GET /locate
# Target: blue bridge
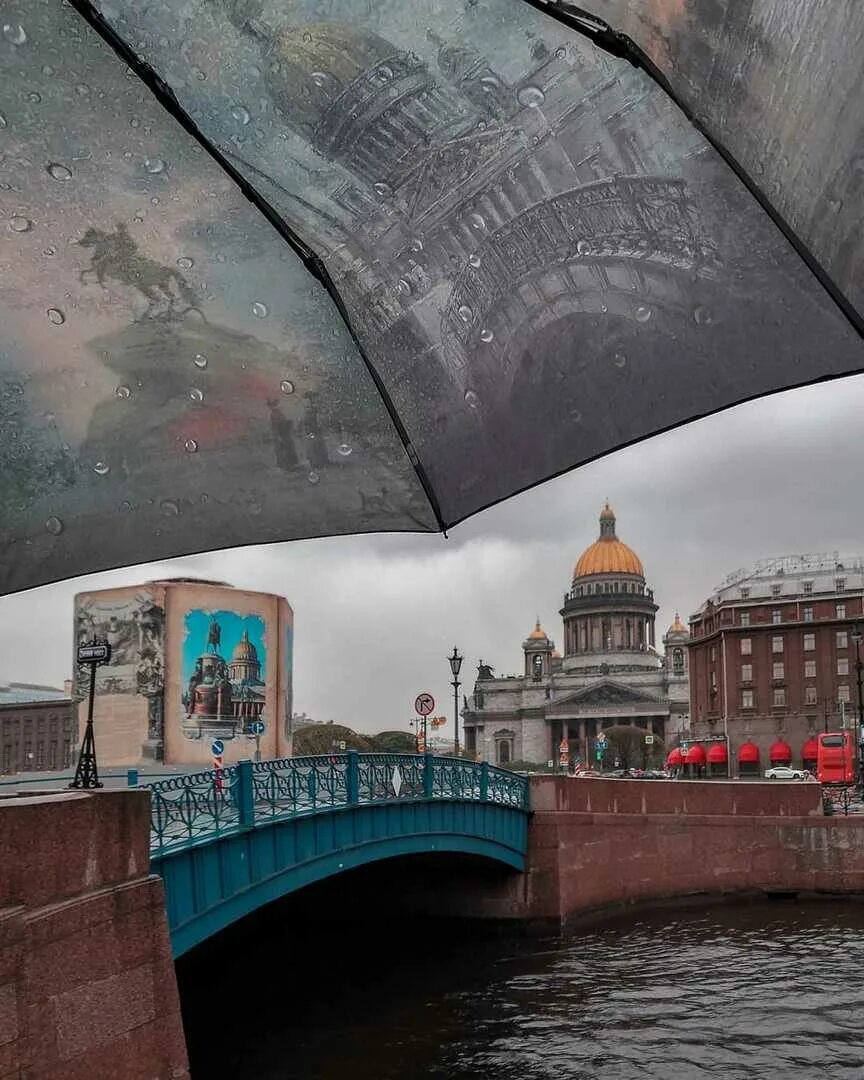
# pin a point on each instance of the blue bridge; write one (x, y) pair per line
(228, 842)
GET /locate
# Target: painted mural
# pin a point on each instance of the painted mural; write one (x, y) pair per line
(224, 674)
(134, 626)
(289, 674)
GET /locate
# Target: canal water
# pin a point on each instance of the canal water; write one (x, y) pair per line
(730, 992)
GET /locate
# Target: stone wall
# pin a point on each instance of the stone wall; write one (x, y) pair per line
(87, 986)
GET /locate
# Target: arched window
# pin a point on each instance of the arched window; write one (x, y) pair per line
(503, 747)
(678, 661)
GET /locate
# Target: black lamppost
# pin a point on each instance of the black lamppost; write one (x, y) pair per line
(856, 637)
(455, 665)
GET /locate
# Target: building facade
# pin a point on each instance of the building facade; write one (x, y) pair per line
(773, 659)
(37, 729)
(611, 672)
(192, 662)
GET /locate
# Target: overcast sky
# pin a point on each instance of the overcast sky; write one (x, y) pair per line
(376, 616)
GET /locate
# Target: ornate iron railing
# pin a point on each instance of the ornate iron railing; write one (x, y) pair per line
(194, 808)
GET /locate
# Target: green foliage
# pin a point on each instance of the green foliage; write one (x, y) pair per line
(393, 742)
(529, 766)
(325, 739)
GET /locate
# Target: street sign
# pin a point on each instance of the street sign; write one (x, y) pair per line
(217, 748)
(649, 740)
(257, 727)
(95, 653)
(341, 744)
(424, 704)
(601, 741)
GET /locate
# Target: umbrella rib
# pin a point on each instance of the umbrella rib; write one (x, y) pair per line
(620, 45)
(311, 260)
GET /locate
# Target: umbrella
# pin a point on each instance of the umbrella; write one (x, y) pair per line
(281, 270)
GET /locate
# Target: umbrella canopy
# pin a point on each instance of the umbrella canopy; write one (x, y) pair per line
(267, 275)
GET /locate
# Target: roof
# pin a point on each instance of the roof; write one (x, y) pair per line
(608, 554)
(25, 693)
(538, 633)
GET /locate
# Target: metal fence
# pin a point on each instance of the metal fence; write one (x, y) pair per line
(199, 806)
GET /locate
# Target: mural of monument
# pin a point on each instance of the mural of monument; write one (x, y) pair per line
(224, 665)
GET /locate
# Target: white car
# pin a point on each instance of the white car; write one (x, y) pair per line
(785, 772)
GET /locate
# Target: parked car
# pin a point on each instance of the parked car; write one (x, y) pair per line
(785, 772)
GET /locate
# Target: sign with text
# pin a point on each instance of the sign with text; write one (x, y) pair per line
(96, 652)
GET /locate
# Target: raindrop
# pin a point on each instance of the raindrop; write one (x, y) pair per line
(54, 526)
(134, 122)
(123, 392)
(190, 446)
(583, 248)
(14, 33)
(477, 221)
(3, 121)
(465, 313)
(241, 114)
(481, 125)
(307, 37)
(195, 394)
(471, 399)
(200, 360)
(59, 172)
(344, 449)
(220, 258)
(313, 477)
(383, 189)
(486, 335)
(702, 315)
(319, 78)
(560, 52)
(604, 308)
(155, 200)
(34, 97)
(20, 224)
(125, 506)
(404, 286)
(169, 508)
(200, 75)
(185, 263)
(56, 316)
(642, 313)
(416, 244)
(259, 310)
(532, 97)
(286, 386)
(154, 165)
(82, 89)
(474, 259)
(101, 468)
(490, 84)
(619, 359)
(49, 251)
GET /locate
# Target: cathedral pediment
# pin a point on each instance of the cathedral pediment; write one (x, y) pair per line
(609, 693)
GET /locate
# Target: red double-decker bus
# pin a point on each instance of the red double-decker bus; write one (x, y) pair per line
(836, 761)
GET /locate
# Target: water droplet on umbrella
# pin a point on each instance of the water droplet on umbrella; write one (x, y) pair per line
(405, 286)
(560, 52)
(185, 263)
(14, 33)
(583, 247)
(474, 259)
(195, 394)
(416, 244)
(477, 221)
(319, 78)
(286, 386)
(702, 315)
(59, 172)
(307, 37)
(3, 121)
(48, 252)
(642, 313)
(220, 258)
(34, 97)
(101, 468)
(383, 189)
(200, 75)
(125, 506)
(619, 359)
(200, 360)
(260, 310)
(490, 84)
(190, 446)
(344, 449)
(471, 399)
(486, 335)
(123, 392)
(20, 224)
(313, 477)
(54, 526)
(169, 508)
(465, 313)
(241, 114)
(385, 71)
(83, 89)
(154, 165)
(530, 96)
(56, 316)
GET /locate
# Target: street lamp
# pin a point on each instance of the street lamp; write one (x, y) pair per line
(856, 638)
(455, 665)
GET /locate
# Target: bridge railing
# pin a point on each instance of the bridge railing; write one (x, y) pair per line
(200, 806)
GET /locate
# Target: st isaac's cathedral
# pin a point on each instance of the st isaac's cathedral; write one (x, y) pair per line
(611, 672)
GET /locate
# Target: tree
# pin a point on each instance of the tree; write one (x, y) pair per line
(325, 739)
(626, 745)
(393, 742)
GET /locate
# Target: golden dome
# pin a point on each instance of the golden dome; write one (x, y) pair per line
(245, 650)
(538, 633)
(677, 627)
(608, 555)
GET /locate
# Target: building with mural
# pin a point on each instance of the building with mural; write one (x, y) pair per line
(192, 661)
(611, 672)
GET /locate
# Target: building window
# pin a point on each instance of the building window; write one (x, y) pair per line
(843, 693)
(777, 644)
(744, 618)
(809, 695)
(777, 671)
(842, 665)
(746, 646)
(713, 653)
(746, 673)
(678, 661)
(503, 751)
(744, 593)
(808, 614)
(809, 669)
(776, 590)
(779, 697)
(840, 584)
(842, 639)
(841, 611)
(746, 699)
(776, 616)
(809, 642)
(807, 588)
(52, 755)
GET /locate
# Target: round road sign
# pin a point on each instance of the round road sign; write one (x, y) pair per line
(217, 747)
(424, 704)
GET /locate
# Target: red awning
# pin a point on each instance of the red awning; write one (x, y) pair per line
(695, 756)
(780, 751)
(748, 754)
(810, 750)
(675, 757)
(717, 754)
